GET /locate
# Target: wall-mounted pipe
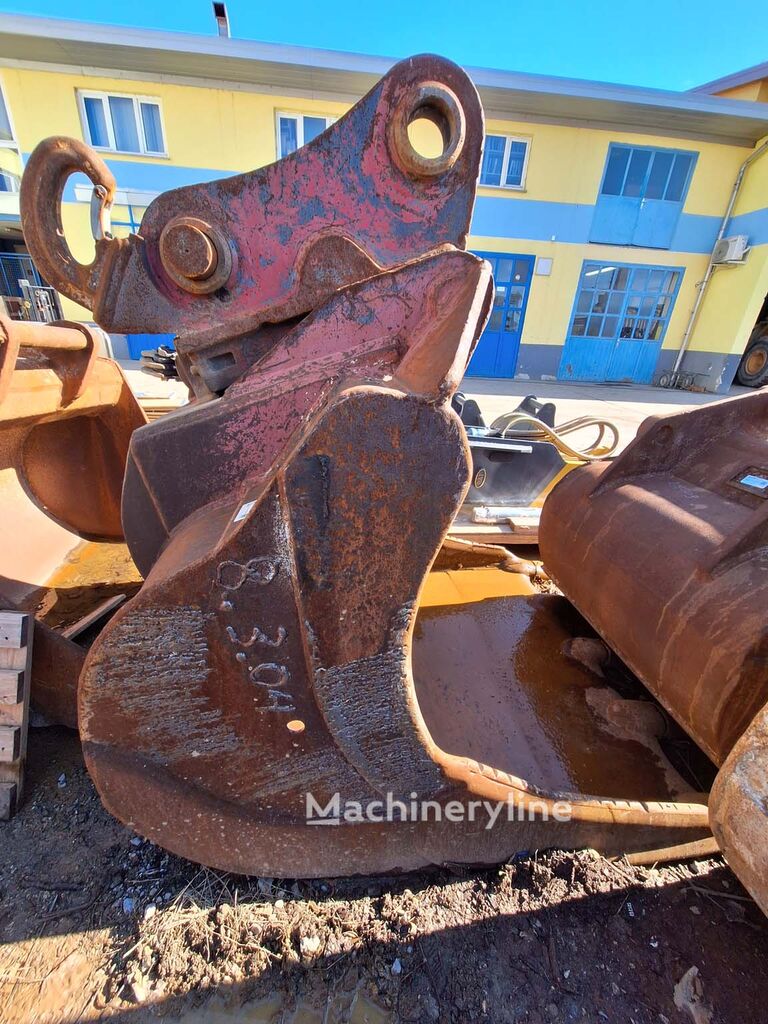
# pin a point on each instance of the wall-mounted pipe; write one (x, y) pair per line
(711, 266)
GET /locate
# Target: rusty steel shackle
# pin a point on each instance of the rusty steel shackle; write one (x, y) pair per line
(47, 171)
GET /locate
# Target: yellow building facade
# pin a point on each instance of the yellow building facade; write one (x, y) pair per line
(599, 206)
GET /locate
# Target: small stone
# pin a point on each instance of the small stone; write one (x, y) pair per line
(688, 995)
(139, 990)
(101, 998)
(149, 911)
(128, 905)
(397, 967)
(279, 904)
(654, 942)
(136, 841)
(696, 911)
(62, 781)
(567, 974)
(309, 944)
(552, 1011)
(432, 1007)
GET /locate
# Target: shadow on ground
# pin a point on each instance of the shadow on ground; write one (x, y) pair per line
(98, 924)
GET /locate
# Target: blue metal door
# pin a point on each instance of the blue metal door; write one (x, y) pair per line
(641, 196)
(496, 352)
(619, 321)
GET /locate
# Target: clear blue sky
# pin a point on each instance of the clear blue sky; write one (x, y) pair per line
(669, 44)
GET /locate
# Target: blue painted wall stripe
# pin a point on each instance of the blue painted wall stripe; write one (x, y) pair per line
(754, 224)
(130, 174)
(493, 217)
(537, 220)
(532, 219)
(695, 233)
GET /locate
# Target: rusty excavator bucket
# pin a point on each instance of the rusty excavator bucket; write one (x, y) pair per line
(664, 552)
(305, 650)
(66, 417)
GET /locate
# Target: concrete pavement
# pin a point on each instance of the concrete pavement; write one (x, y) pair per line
(147, 386)
(625, 405)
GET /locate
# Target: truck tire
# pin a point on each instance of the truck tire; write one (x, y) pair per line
(753, 368)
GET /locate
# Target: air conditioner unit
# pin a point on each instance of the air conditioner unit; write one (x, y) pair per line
(731, 250)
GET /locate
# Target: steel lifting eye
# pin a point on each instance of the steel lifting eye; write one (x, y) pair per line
(436, 103)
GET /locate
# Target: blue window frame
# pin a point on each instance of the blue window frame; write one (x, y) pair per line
(641, 195)
(620, 316)
(505, 160)
(16, 267)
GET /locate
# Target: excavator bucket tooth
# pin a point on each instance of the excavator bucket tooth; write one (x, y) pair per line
(663, 551)
(66, 417)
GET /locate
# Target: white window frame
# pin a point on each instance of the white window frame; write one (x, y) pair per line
(298, 116)
(11, 143)
(83, 94)
(508, 140)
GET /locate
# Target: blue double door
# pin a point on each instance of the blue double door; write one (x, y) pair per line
(641, 196)
(619, 320)
(497, 351)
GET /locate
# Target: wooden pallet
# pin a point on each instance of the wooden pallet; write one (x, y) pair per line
(155, 407)
(15, 663)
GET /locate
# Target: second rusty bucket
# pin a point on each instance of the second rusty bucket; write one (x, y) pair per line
(66, 419)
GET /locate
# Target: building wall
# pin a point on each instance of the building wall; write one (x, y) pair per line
(211, 132)
(735, 294)
(552, 218)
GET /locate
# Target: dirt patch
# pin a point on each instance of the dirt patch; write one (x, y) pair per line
(99, 924)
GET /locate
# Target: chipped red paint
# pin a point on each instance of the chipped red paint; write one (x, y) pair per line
(400, 325)
(340, 209)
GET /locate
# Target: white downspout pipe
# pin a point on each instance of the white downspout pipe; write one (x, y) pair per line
(711, 266)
